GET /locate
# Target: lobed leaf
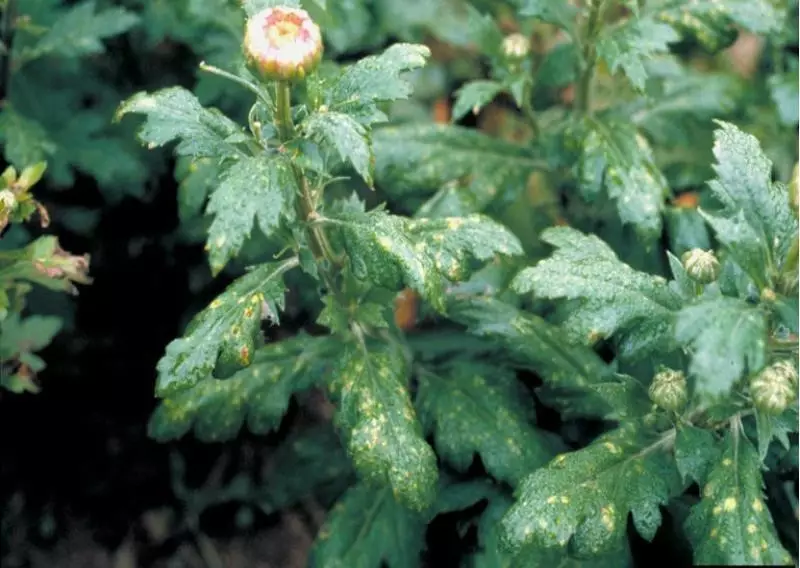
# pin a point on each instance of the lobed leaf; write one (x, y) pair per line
(226, 331)
(473, 96)
(258, 394)
(25, 140)
(376, 419)
(728, 338)
(473, 409)
(558, 12)
(695, 451)
(347, 137)
(610, 297)
(584, 497)
(732, 525)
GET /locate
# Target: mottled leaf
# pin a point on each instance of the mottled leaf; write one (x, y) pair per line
(695, 450)
(348, 138)
(728, 338)
(732, 525)
(585, 496)
(474, 96)
(471, 409)
(367, 529)
(253, 189)
(258, 395)
(610, 297)
(770, 427)
(227, 330)
(377, 421)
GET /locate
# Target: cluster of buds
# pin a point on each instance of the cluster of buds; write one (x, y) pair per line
(775, 387)
(282, 44)
(16, 202)
(701, 266)
(668, 390)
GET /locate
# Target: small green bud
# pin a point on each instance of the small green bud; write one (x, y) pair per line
(775, 387)
(701, 266)
(516, 46)
(282, 44)
(668, 390)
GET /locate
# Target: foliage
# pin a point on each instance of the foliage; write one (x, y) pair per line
(495, 301)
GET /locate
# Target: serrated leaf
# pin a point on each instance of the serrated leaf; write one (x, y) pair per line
(584, 497)
(79, 31)
(558, 12)
(25, 140)
(615, 156)
(756, 223)
(757, 16)
(226, 330)
(577, 382)
(20, 336)
(258, 395)
(728, 339)
(374, 79)
(474, 96)
(452, 242)
(611, 297)
(348, 138)
(376, 419)
(770, 427)
(421, 158)
(732, 525)
(695, 450)
(257, 189)
(368, 528)
(176, 114)
(628, 45)
(472, 409)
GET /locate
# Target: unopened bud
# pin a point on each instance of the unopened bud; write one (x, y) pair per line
(282, 43)
(668, 390)
(516, 46)
(7, 200)
(774, 388)
(701, 266)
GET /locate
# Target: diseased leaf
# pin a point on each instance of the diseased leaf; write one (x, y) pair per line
(728, 338)
(584, 497)
(421, 158)
(258, 394)
(732, 525)
(227, 330)
(368, 528)
(611, 297)
(471, 409)
(617, 157)
(176, 114)
(377, 421)
(253, 189)
(628, 45)
(757, 16)
(348, 138)
(695, 451)
(770, 427)
(474, 96)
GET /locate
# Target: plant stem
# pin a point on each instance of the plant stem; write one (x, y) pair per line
(583, 90)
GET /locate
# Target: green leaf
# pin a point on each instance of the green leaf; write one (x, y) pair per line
(339, 319)
(585, 496)
(252, 7)
(376, 418)
(756, 222)
(25, 141)
(176, 114)
(770, 427)
(474, 96)
(471, 409)
(368, 528)
(421, 158)
(617, 157)
(785, 93)
(227, 330)
(374, 79)
(628, 45)
(258, 394)
(252, 189)
(695, 450)
(79, 31)
(757, 16)
(577, 382)
(558, 12)
(452, 242)
(22, 336)
(381, 251)
(341, 132)
(610, 297)
(728, 338)
(732, 525)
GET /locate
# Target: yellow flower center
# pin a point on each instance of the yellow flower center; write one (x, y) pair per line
(282, 33)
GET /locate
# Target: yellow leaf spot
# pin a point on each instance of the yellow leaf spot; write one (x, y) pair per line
(723, 539)
(564, 499)
(551, 499)
(757, 506)
(729, 504)
(763, 544)
(606, 516)
(717, 510)
(385, 242)
(726, 462)
(755, 552)
(215, 304)
(751, 528)
(248, 312)
(612, 448)
(454, 222)
(714, 533)
(543, 523)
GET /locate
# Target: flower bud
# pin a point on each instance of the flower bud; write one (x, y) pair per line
(282, 43)
(701, 266)
(516, 46)
(668, 390)
(774, 388)
(7, 200)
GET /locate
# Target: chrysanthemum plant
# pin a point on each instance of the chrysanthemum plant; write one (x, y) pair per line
(720, 334)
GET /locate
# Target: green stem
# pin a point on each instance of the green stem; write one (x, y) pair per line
(583, 90)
